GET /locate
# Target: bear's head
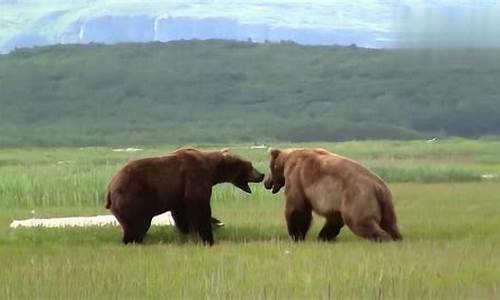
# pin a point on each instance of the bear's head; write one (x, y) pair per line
(276, 178)
(238, 171)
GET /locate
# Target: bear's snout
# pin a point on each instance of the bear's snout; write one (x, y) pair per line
(268, 184)
(257, 176)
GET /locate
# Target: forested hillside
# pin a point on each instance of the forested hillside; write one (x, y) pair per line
(215, 91)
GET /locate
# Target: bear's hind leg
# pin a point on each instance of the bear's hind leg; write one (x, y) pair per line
(134, 232)
(394, 233)
(216, 223)
(142, 228)
(127, 235)
(371, 230)
(332, 227)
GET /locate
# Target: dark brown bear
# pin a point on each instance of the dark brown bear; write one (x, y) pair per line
(335, 187)
(180, 183)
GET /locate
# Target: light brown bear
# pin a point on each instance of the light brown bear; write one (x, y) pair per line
(335, 187)
(180, 183)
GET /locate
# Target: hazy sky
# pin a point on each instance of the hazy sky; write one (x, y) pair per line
(405, 23)
(450, 24)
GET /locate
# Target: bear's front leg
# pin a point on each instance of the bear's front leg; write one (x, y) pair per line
(180, 218)
(298, 223)
(298, 215)
(199, 214)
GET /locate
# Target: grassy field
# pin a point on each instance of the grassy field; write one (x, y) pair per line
(448, 214)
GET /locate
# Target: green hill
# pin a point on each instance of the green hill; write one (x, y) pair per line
(215, 91)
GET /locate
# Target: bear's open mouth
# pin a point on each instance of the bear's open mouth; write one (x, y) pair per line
(245, 187)
(271, 184)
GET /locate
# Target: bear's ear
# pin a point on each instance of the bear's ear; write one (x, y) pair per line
(274, 152)
(224, 151)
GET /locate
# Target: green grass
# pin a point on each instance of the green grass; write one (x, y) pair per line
(36, 176)
(449, 251)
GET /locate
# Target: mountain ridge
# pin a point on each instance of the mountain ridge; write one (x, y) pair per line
(221, 91)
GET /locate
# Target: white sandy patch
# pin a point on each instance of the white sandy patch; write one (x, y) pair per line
(126, 149)
(101, 220)
(258, 147)
(489, 176)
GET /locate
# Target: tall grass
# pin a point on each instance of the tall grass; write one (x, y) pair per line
(79, 176)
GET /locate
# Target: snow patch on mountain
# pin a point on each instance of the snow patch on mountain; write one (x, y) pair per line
(368, 23)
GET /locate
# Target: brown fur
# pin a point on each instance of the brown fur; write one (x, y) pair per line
(335, 187)
(180, 183)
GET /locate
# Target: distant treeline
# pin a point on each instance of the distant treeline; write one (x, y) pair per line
(219, 91)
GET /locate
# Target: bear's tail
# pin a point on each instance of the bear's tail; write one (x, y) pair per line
(108, 200)
(389, 220)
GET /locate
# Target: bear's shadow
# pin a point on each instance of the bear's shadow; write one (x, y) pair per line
(232, 233)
